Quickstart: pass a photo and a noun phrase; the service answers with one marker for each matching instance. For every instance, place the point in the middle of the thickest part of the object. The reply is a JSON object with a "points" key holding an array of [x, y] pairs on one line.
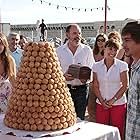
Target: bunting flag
{"points": [[72, 8]]}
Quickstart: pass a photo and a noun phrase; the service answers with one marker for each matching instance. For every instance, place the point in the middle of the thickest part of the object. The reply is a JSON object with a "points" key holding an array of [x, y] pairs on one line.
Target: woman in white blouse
{"points": [[110, 82]]}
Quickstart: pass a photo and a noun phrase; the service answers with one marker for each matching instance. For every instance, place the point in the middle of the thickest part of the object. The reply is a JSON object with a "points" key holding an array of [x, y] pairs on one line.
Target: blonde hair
{"points": [[8, 61], [115, 35]]}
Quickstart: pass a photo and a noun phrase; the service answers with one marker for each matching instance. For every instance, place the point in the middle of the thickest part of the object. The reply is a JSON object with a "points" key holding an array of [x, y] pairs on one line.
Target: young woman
{"points": [[98, 54], [110, 82], [117, 36], [98, 50], [7, 72]]}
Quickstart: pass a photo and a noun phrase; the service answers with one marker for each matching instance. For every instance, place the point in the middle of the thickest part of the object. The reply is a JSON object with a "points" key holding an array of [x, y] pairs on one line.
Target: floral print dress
{"points": [[5, 91]]}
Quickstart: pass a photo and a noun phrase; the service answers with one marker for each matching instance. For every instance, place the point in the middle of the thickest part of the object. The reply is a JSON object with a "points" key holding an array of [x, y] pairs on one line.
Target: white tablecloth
{"points": [[88, 131]]}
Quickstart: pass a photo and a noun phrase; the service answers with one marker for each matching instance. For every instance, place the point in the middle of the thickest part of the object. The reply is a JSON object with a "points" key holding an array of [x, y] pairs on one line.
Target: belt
{"points": [[76, 86]]}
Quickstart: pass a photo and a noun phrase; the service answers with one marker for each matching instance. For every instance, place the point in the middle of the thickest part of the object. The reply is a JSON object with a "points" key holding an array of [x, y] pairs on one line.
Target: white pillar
{"points": [[38, 31], [33, 35], [61, 34], [46, 34]]}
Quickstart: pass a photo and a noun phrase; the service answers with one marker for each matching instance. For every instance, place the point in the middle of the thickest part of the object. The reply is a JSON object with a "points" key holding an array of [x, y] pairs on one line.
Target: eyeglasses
{"points": [[100, 40]]}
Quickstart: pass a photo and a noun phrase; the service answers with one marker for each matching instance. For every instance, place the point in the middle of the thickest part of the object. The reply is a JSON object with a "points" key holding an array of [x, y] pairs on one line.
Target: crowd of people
{"points": [[111, 95]]}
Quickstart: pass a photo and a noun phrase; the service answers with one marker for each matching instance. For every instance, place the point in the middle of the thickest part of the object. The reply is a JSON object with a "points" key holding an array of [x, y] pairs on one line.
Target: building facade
{"points": [[58, 30]]}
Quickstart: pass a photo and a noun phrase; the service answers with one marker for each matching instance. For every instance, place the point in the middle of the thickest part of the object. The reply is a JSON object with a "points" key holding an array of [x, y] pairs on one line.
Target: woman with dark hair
{"points": [[110, 82], [7, 72], [98, 50], [98, 54]]}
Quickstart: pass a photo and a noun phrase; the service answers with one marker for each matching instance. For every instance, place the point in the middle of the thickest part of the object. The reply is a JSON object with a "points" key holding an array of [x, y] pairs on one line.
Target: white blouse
{"points": [[109, 81]]}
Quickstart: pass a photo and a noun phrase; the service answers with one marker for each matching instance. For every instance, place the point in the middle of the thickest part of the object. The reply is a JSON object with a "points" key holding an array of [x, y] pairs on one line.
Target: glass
{"points": [[101, 40]]}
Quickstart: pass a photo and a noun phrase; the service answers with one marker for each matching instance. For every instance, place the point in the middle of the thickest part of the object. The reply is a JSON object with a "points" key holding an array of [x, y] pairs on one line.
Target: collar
{"points": [[136, 65], [103, 61], [65, 46], [18, 50]]}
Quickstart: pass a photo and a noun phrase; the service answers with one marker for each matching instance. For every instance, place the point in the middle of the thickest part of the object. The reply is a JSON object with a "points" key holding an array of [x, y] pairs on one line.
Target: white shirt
{"points": [[82, 56], [109, 81]]}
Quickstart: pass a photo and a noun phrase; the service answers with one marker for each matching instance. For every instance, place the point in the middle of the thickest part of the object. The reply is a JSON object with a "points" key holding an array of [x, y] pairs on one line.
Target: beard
{"points": [[77, 40]]}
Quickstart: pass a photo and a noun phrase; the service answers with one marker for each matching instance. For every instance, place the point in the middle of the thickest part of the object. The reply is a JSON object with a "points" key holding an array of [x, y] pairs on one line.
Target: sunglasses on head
{"points": [[100, 40]]}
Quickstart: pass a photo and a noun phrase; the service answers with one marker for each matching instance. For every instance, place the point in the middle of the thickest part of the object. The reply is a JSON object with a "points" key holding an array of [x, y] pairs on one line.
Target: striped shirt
{"points": [[133, 107]]}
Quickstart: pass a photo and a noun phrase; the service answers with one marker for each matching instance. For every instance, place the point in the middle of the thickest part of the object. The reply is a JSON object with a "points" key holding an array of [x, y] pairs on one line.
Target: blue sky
{"points": [[29, 11]]}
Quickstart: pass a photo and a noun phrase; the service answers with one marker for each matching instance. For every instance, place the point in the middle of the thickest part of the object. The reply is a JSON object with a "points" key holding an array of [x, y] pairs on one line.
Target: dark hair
{"points": [[65, 40], [21, 36], [68, 28], [112, 43], [132, 28], [96, 47], [70, 25]]}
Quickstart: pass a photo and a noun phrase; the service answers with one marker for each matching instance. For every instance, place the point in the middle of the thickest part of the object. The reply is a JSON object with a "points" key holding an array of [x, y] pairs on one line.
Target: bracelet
{"points": [[115, 99]]}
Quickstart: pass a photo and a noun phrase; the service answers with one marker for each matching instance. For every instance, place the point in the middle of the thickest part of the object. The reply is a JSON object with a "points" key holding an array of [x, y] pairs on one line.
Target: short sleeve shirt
{"points": [[109, 81]]}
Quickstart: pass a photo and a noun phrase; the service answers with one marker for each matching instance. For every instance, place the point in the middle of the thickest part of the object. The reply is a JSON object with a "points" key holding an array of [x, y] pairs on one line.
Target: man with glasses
{"points": [[131, 44]]}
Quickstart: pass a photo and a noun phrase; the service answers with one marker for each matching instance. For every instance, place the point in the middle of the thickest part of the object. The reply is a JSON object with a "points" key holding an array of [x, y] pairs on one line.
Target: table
{"points": [[88, 131]]}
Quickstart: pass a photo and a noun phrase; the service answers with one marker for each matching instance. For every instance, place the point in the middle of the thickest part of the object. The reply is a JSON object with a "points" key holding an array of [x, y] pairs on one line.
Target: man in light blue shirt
{"points": [[15, 50]]}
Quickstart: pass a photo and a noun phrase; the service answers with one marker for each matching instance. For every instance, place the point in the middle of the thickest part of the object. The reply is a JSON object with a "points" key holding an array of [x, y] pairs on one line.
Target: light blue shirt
{"points": [[17, 55]]}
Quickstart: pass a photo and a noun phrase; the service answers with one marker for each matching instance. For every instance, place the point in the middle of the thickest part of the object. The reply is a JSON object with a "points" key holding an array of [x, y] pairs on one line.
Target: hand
{"points": [[68, 77], [83, 80], [105, 104], [110, 102]]}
